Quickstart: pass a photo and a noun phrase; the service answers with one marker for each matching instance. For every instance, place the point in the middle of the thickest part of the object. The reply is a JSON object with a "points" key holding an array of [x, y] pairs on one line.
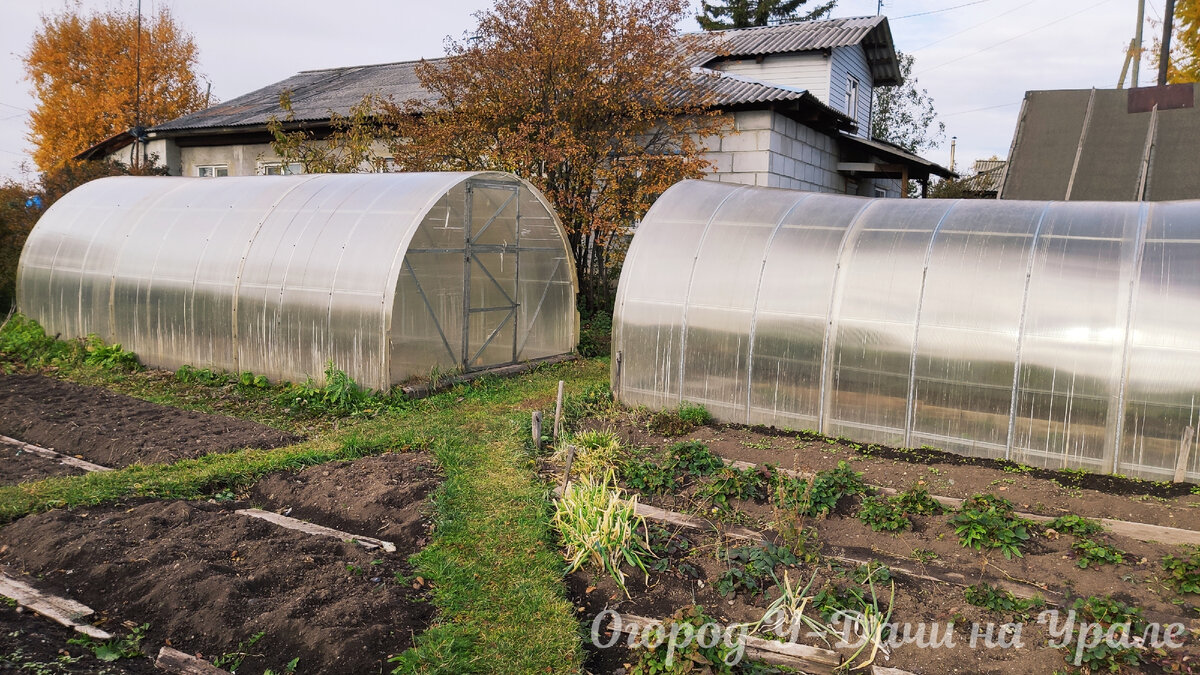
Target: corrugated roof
{"points": [[1106, 145], [872, 32], [898, 154], [314, 94]]}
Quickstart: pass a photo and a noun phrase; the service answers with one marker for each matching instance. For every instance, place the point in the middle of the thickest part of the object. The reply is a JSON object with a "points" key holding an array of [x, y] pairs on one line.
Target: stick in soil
{"points": [[567, 469], [537, 429], [558, 408]]}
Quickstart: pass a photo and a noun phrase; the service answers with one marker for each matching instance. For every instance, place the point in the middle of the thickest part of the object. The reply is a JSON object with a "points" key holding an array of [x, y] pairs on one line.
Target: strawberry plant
{"points": [[1183, 573], [1096, 553], [987, 521]]}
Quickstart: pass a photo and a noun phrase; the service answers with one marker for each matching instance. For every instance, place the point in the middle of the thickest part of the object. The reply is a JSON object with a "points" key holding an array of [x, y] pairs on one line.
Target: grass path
{"points": [[492, 561]]}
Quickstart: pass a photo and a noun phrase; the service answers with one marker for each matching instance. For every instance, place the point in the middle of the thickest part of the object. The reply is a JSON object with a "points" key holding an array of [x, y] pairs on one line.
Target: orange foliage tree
{"points": [[84, 74], [593, 101]]}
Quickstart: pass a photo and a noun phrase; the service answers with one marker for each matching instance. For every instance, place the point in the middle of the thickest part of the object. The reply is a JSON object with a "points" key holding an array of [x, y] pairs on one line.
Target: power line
{"points": [[974, 110], [973, 27], [937, 11], [14, 107], [1017, 37]]}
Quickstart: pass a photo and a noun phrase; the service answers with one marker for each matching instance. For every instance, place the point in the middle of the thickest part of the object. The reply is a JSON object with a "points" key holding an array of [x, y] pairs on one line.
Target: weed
{"points": [[1183, 573], [596, 452], [117, 648], [249, 380], [677, 422], [25, 341], [340, 395], [594, 401], [224, 496], [231, 661], [764, 444], [666, 546], [730, 484], [987, 521], [290, 667], [1096, 553], [924, 555], [1196, 489], [597, 525], [1001, 601], [109, 357], [1076, 525], [189, 375]]}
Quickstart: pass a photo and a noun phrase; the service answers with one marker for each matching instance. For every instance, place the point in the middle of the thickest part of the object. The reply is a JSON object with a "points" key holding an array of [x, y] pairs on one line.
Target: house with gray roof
{"points": [[798, 97]]}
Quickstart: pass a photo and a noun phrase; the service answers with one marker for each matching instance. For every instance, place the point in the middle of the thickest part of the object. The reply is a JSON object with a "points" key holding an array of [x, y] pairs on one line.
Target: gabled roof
{"points": [[872, 32], [314, 94]]}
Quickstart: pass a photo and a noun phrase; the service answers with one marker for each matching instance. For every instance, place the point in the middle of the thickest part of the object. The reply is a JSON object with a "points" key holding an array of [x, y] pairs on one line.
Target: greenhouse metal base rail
{"points": [[425, 389]]}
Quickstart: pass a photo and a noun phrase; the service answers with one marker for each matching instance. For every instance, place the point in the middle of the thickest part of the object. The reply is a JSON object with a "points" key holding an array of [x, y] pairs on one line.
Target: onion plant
{"points": [[600, 526]]}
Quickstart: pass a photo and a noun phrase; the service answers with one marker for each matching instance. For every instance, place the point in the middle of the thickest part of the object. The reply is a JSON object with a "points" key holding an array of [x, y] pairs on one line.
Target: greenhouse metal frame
{"points": [[1061, 335], [388, 276]]}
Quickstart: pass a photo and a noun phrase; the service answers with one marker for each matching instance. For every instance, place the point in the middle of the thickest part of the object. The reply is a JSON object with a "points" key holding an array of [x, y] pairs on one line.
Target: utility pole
{"points": [[1137, 40], [137, 94], [879, 8], [1164, 59]]}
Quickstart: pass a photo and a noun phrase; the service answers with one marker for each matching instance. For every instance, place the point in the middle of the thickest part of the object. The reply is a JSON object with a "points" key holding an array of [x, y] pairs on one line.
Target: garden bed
{"points": [[932, 572], [114, 430], [226, 586]]}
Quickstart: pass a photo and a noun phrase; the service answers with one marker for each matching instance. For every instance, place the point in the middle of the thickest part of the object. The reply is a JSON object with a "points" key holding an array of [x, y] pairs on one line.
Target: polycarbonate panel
{"points": [[1072, 341], [967, 338], [720, 307], [282, 276], [792, 314], [1161, 392], [1056, 334], [653, 290], [874, 320]]}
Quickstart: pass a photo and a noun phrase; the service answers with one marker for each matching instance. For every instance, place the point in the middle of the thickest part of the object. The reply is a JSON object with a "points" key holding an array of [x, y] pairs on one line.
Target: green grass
{"points": [[493, 562]]}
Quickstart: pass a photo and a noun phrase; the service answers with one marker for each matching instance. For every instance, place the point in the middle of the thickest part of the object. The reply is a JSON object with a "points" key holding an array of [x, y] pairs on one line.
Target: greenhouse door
{"points": [[490, 275]]}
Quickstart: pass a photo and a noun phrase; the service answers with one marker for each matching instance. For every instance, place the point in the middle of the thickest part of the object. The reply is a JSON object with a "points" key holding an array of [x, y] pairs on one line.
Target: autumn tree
{"points": [[723, 14], [904, 114], [593, 101], [351, 142], [1185, 44], [85, 76]]}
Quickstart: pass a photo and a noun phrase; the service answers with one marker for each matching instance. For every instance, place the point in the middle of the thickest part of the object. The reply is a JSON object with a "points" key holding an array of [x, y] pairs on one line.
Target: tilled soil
{"points": [[18, 466], [1049, 562], [115, 430], [207, 579], [32, 644]]}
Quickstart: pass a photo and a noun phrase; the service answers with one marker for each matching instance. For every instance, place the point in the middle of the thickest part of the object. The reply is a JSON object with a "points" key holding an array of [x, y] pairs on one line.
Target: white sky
{"points": [[976, 60]]}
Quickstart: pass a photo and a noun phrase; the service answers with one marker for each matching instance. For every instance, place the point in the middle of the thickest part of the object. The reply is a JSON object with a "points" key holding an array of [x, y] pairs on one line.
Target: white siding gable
{"points": [[808, 71], [851, 62]]}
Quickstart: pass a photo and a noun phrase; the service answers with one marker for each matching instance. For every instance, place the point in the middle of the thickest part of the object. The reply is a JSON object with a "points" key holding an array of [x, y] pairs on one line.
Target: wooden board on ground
{"points": [[63, 611], [812, 660], [317, 530], [65, 460], [175, 661]]}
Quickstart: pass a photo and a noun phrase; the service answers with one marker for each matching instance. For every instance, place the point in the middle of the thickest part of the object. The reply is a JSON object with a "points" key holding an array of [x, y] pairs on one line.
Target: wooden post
{"points": [[558, 409], [1185, 454], [537, 429], [567, 469]]}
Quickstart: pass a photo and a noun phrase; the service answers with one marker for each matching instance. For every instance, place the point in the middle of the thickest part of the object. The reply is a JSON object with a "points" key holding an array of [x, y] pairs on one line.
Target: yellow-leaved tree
{"points": [[85, 75], [593, 101]]}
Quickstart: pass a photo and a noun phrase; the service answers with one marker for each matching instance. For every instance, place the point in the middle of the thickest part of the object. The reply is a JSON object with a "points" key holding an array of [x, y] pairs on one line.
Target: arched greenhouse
{"points": [[387, 275], [1051, 333]]}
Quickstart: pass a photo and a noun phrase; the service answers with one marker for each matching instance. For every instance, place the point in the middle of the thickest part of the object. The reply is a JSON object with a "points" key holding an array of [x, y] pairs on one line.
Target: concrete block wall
{"points": [[767, 149]]}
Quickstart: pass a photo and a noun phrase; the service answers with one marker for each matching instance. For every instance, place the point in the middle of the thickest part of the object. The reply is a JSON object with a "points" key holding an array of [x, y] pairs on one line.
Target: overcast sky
{"points": [[976, 57]]}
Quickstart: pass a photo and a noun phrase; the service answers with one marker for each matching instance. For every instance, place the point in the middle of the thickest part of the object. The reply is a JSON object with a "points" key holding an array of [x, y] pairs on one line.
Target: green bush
{"points": [[340, 395], [25, 341], [987, 521]]}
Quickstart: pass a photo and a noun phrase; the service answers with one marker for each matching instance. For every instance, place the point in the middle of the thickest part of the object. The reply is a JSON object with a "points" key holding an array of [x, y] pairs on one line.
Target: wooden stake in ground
{"points": [[567, 469], [537, 429], [558, 411], [318, 530], [1185, 454]]}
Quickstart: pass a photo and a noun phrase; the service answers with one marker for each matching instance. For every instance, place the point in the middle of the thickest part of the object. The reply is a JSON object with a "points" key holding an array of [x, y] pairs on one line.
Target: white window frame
{"points": [[880, 192], [212, 170], [852, 86], [290, 169]]}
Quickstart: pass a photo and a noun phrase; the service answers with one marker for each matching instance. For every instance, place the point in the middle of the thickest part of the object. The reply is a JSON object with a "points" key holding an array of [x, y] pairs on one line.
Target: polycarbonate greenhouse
{"points": [[388, 276], [1050, 333]]}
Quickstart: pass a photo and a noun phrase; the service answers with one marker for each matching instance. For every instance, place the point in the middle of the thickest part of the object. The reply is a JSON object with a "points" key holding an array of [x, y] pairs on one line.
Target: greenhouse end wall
{"points": [[1060, 335], [387, 276]]}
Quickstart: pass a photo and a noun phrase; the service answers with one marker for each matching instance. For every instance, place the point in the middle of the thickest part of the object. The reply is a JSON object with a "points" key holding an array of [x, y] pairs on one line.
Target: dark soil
{"points": [[1049, 561], [18, 466], [30, 643], [115, 430], [207, 579]]}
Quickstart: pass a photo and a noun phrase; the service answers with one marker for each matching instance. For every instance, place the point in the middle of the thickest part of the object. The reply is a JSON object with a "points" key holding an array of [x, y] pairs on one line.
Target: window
{"points": [[852, 97], [213, 171], [880, 192], [280, 169]]}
